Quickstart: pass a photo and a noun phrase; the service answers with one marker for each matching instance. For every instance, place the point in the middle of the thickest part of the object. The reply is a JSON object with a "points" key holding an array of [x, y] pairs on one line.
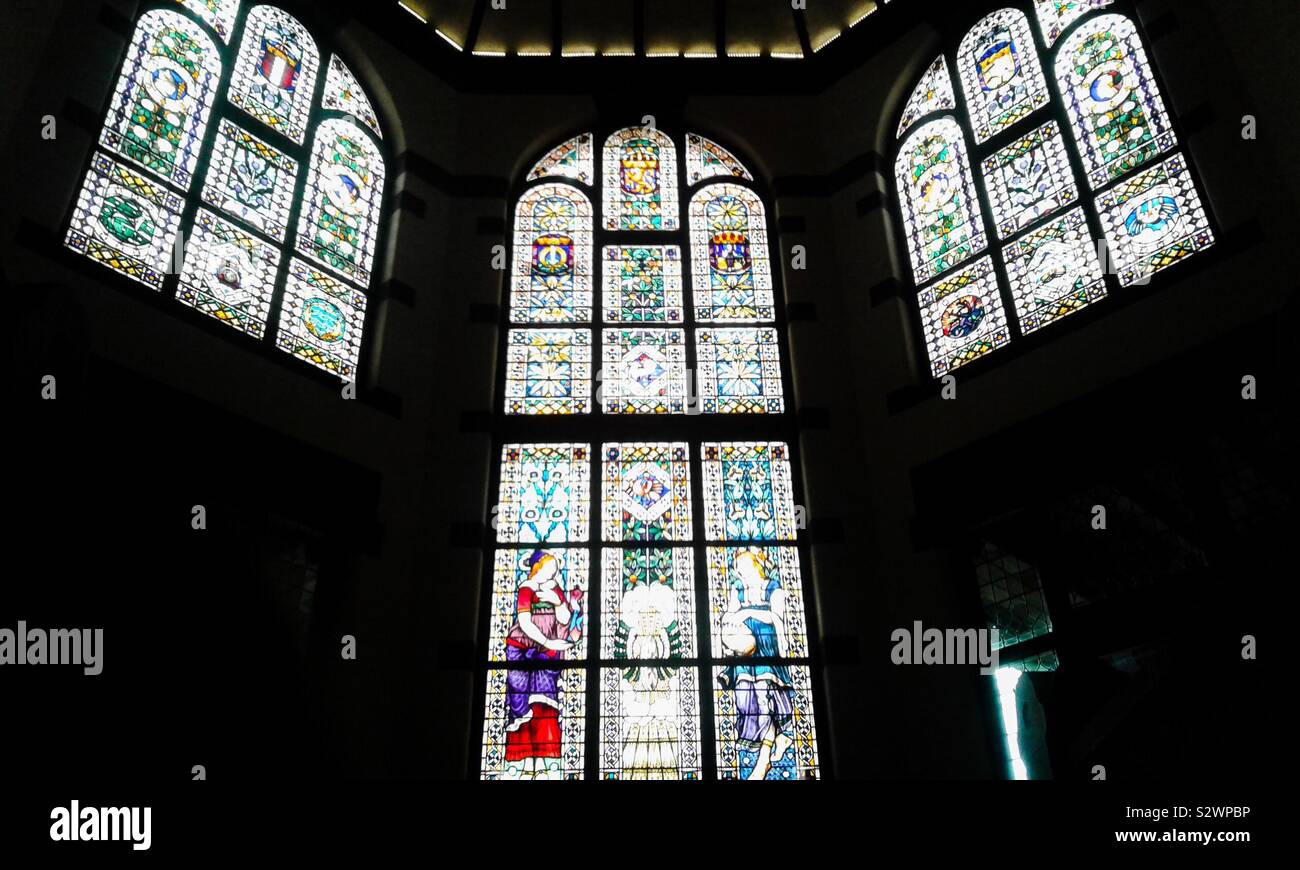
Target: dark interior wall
{"points": [[406, 488]]}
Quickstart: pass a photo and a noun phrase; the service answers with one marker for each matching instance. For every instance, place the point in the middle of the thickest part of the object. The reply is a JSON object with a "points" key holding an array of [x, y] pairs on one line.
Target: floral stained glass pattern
{"points": [[755, 711], [647, 603], [644, 371], [160, 107], [649, 724], [1119, 119], [1000, 73], [1029, 179], [544, 493], [573, 159], [933, 93], [344, 94], [963, 317], [1154, 220], [1056, 16], [229, 274], [126, 221], [643, 284], [941, 212], [647, 493], [548, 371], [339, 221], [731, 272], [551, 282], [250, 180], [707, 159], [275, 71], [538, 590], [747, 491], [640, 170], [321, 320], [740, 371], [534, 724], [217, 14], [1054, 271]]}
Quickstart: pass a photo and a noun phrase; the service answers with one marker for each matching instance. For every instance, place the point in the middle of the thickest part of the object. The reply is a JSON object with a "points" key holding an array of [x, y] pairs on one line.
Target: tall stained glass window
{"points": [[1077, 183], [665, 607], [222, 243]]}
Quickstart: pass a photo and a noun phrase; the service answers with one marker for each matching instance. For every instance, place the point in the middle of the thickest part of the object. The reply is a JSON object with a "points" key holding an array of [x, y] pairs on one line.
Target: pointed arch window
{"points": [[646, 615], [279, 233], [1055, 207]]}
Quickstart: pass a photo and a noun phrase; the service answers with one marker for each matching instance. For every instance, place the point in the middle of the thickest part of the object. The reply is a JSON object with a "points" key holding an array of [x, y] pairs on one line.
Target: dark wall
{"points": [[383, 500]]}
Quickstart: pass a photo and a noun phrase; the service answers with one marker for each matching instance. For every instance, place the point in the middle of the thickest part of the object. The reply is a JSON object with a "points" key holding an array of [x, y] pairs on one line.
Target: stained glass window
{"points": [[764, 723], [643, 284], [321, 320], [740, 371], [539, 590], [1154, 220], [229, 274], [647, 492], [251, 181], [964, 317], [731, 272], [644, 372], [1118, 116], [573, 160], [552, 259], [543, 493], [339, 220], [125, 220], [548, 371], [707, 159], [534, 724], [640, 168], [648, 603], [275, 71], [1028, 179], [933, 93], [649, 723], [159, 110], [747, 491], [1056, 16], [941, 212], [1054, 271], [344, 94], [217, 14], [1001, 75], [762, 579]]}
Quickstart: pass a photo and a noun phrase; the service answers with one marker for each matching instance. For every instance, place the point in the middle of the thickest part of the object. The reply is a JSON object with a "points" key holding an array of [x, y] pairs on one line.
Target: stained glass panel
{"points": [[647, 492], [552, 256], [126, 221], [1000, 72], [539, 606], [644, 371], [321, 320], [339, 221], [1056, 16], [163, 97], [731, 272], [753, 710], [756, 604], [1011, 594], [747, 491], [649, 723], [1154, 220], [964, 317], [1054, 271], [534, 724], [643, 284], [740, 371], [217, 14], [707, 159], [250, 180], [548, 371], [647, 603], [941, 212], [344, 94], [1029, 179], [275, 72], [1119, 119], [933, 93], [229, 274], [573, 159], [640, 168], [544, 493]]}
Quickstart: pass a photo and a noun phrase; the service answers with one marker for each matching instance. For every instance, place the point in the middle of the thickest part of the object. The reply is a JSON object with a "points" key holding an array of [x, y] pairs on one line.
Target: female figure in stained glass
{"points": [[753, 627]]}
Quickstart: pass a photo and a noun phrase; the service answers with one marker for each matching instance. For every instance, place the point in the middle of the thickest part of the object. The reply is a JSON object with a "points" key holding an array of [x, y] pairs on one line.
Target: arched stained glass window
{"points": [[1052, 226], [933, 93], [228, 239], [698, 530]]}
